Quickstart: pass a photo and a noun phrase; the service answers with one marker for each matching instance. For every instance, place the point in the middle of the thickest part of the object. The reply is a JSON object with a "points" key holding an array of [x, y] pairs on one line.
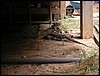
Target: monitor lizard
{"points": [[62, 36]]}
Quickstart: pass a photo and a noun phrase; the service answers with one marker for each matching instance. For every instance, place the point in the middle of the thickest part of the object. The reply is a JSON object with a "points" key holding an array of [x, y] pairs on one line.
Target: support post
{"points": [[63, 9], [86, 20]]}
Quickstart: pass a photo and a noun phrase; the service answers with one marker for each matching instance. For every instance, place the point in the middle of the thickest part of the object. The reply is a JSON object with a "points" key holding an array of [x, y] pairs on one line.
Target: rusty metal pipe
{"points": [[40, 60]]}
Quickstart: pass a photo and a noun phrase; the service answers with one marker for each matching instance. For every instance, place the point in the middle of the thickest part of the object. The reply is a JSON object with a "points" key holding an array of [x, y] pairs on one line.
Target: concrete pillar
{"points": [[86, 19]]}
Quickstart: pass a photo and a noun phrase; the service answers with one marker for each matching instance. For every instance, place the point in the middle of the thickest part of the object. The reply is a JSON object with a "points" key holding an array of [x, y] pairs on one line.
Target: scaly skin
{"points": [[62, 36]]}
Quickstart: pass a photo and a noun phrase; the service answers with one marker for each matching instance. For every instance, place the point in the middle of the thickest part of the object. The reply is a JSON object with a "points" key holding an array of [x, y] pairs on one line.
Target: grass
{"points": [[71, 23], [89, 66]]}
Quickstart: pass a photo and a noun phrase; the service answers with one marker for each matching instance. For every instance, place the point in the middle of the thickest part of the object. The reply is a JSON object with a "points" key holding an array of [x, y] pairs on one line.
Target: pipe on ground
{"points": [[40, 60]]}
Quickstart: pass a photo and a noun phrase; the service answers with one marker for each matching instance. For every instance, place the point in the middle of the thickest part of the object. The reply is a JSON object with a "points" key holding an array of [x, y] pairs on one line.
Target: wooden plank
{"points": [[45, 21], [39, 11], [96, 28], [55, 22], [96, 36], [96, 41], [50, 16], [40, 22], [68, 3], [63, 9], [87, 20], [55, 11], [29, 13]]}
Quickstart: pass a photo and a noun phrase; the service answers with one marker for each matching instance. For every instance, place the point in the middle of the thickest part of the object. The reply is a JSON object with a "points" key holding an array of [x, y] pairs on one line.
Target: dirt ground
{"points": [[29, 48], [43, 48]]}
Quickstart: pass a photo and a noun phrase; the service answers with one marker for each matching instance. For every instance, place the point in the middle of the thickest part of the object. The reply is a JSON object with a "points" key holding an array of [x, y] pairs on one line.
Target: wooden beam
{"points": [[68, 3], [10, 12], [86, 19], [55, 22], [96, 34], [46, 22], [96, 28], [40, 10], [29, 13], [63, 8]]}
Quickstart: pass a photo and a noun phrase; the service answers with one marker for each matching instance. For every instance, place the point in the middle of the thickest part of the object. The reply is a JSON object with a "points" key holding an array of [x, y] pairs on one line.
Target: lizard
{"points": [[62, 36]]}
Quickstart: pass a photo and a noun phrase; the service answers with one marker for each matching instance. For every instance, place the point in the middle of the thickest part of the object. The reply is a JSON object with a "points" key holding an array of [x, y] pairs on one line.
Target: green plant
{"points": [[71, 23], [89, 65]]}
